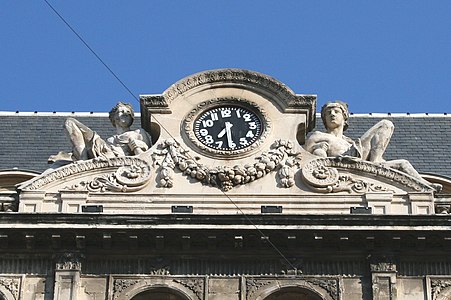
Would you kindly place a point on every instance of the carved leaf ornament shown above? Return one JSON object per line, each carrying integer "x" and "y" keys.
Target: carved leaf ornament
{"x": 122, "y": 284}
{"x": 12, "y": 285}
{"x": 437, "y": 286}
{"x": 193, "y": 284}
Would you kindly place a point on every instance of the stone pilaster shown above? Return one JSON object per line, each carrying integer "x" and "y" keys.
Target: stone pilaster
{"x": 383, "y": 276}
{"x": 67, "y": 277}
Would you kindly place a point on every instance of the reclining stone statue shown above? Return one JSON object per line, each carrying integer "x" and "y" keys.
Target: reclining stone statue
{"x": 370, "y": 146}
{"x": 87, "y": 144}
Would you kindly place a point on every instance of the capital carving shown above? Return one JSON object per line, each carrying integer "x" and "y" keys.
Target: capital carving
{"x": 160, "y": 267}
{"x": 69, "y": 262}
{"x": 383, "y": 267}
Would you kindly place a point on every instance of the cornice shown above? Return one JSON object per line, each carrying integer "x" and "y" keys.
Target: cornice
{"x": 173, "y": 221}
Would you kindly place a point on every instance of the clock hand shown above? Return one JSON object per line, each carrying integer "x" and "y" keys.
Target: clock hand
{"x": 223, "y": 131}
{"x": 229, "y": 135}
{"x": 221, "y": 134}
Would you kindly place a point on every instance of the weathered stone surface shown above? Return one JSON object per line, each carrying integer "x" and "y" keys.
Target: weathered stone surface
{"x": 180, "y": 220}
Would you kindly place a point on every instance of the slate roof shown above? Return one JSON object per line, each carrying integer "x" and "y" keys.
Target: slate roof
{"x": 28, "y": 139}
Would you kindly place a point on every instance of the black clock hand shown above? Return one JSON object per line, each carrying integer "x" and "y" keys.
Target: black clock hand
{"x": 221, "y": 134}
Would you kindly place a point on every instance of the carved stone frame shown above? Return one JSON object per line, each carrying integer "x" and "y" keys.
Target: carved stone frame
{"x": 136, "y": 285}
{"x": 260, "y": 288}
{"x": 188, "y": 126}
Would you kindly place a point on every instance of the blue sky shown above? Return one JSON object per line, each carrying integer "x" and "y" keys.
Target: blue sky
{"x": 379, "y": 56}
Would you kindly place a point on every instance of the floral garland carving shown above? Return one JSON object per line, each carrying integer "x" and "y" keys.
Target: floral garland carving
{"x": 253, "y": 285}
{"x": 188, "y": 125}
{"x": 12, "y": 285}
{"x": 330, "y": 285}
{"x": 280, "y": 157}
{"x": 437, "y": 286}
{"x": 125, "y": 175}
{"x": 193, "y": 284}
{"x": 120, "y": 285}
{"x": 322, "y": 176}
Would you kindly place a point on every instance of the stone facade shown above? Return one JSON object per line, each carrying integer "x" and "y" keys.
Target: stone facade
{"x": 225, "y": 204}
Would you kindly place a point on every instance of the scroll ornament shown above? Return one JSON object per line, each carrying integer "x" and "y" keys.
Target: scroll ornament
{"x": 127, "y": 178}
{"x": 322, "y": 175}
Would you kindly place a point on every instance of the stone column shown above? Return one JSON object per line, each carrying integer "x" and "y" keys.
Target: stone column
{"x": 67, "y": 277}
{"x": 383, "y": 276}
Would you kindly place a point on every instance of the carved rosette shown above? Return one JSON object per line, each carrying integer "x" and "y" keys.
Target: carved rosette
{"x": 188, "y": 125}
{"x": 253, "y": 285}
{"x": 322, "y": 176}
{"x": 330, "y": 285}
{"x": 437, "y": 286}
{"x": 195, "y": 285}
{"x": 171, "y": 156}
{"x": 12, "y": 285}
{"x": 120, "y": 285}
{"x": 132, "y": 173}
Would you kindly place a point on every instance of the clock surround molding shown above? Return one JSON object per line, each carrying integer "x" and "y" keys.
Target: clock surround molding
{"x": 191, "y": 139}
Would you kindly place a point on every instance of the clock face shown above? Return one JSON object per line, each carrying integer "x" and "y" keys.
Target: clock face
{"x": 228, "y": 128}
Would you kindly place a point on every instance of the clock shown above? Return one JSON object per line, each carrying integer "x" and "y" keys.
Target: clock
{"x": 228, "y": 127}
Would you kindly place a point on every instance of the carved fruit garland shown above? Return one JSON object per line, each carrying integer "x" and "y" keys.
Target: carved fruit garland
{"x": 280, "y": 157}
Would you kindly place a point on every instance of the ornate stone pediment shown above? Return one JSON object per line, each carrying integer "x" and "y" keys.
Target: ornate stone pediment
{"x": 223, "y": 136}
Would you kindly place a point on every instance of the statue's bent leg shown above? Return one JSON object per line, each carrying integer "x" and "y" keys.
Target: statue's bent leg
{"x": 406, "y": 167}
{"x": 79, "y": 136}
{"x": 375, "y": 141}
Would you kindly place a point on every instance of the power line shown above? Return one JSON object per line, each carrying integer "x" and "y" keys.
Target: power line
{"x": 159, "y": 123}
{"x": 90, "y": 49}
